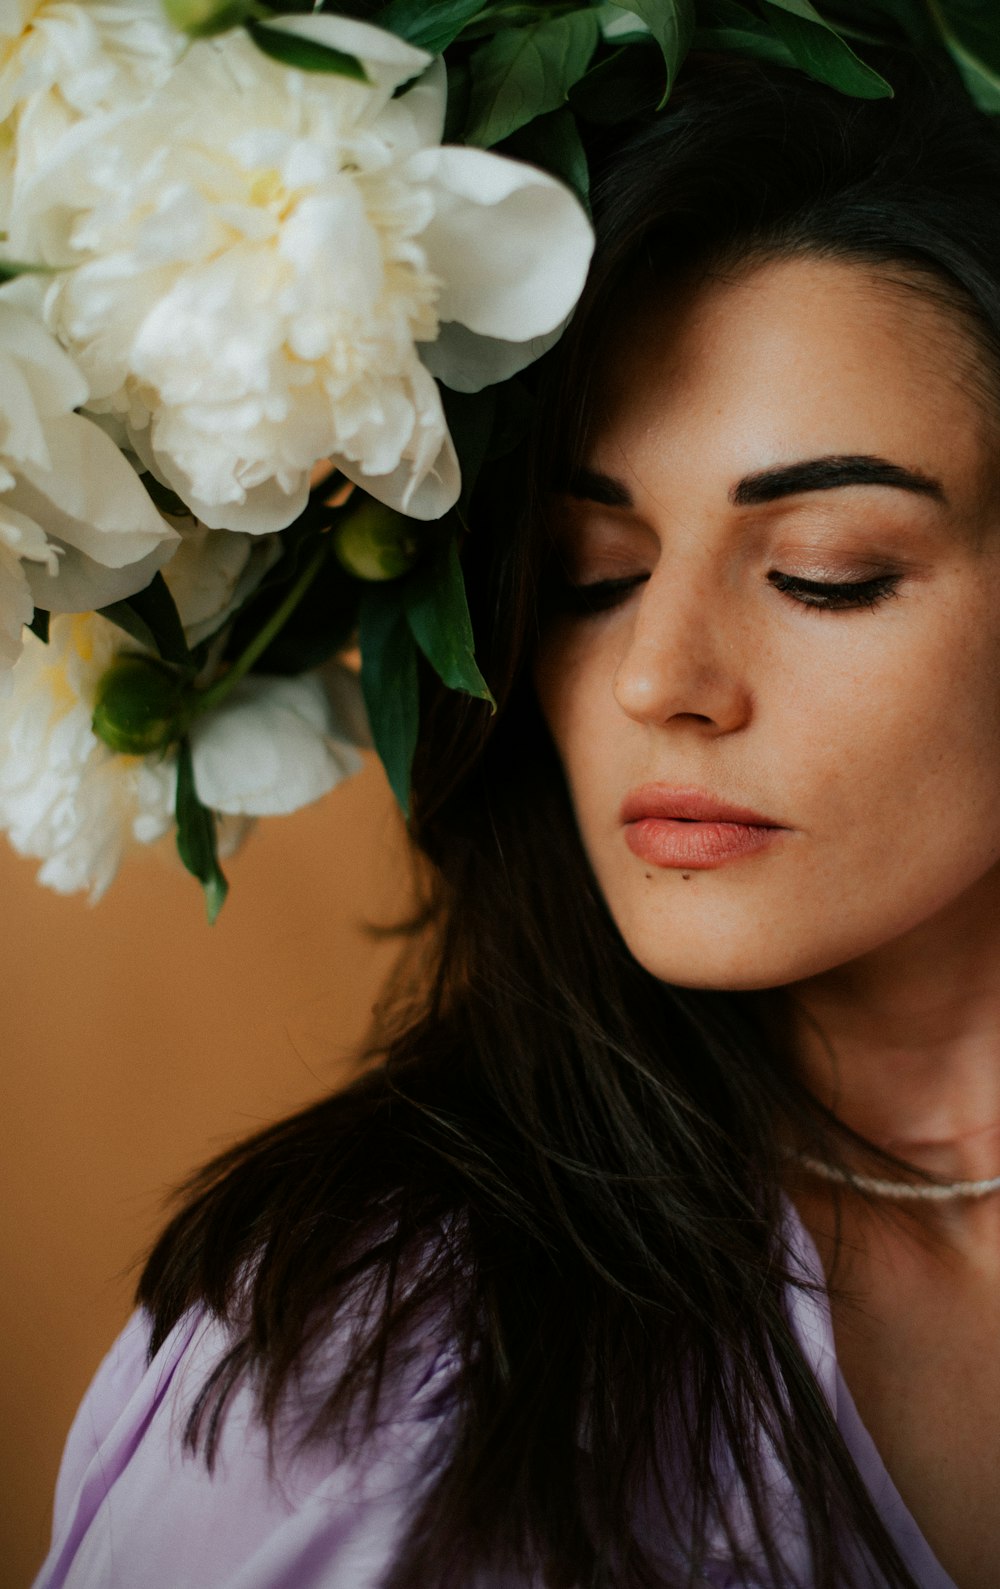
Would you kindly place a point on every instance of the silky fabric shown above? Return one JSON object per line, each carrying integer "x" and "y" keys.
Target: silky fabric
{"x": 134, "y": 1508}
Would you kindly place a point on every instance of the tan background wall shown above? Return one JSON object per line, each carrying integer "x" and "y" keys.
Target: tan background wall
{"x": 136, "y": 1042}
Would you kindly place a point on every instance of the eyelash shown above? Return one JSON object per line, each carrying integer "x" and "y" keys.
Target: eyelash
{"x": 831, "y": 596}
{"x": 827, "y": 595}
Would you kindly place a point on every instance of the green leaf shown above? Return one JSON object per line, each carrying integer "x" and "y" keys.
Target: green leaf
{"x": 726, "y": 26}
{"x": 429, "y": 24}
{"x": 982, "y": 85}
{"x": 39, "y": 625}
{"x": 151, "y": 617}
{"x": 620, "y": 25}
{"x": 438, "y": 615}
{"x": 756, "y": 45}
{"x": 522, "y": 73}
{"x": 306, "y": 55}
{"x": 202, "y": 18}
{"x": 819, "y": 50}
{"x": 671, "y": 22}
{"x": 390, "y": 685}
{"x": 972, "y": 25}
{"x": 554, "y": 143}
{"x": 973, "y": 40}
{"x": 196, "y": 842}
{"x": 10, "y": 269}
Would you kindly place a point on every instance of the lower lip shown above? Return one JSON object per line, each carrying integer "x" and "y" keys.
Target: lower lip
{"x": 696, "y": 846}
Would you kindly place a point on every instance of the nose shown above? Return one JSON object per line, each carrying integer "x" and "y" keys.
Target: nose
{"x": 683, "y": 658}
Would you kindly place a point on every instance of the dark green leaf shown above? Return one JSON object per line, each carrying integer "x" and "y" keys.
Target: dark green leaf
{"x": 390, "y": 685}
{"x": 971, "y": 32}
{"x": 525, "y": 72}
{"x": 974, "y": 25}
{"x": 724, "y": 25}
{"x": 196, "y": 843}
{"x": 151, "y": 617}
{"x": 757, "y": 45}
{"x": 429, "y": 24}
{"x": 554, "y": 143}
{"x": 671, "y": 23}
{"x": 438, "y": 615}
{"x": 982, "y": 84}
{"x": 39, "y": 624}
{"x": 819, "y": 50}
{"x": 306, "y": 55}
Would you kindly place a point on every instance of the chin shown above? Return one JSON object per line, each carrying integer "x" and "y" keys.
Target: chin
{"x": 750, "y": 961}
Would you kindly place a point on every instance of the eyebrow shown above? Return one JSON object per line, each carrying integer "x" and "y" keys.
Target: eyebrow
{"x": 786, "y": 480}
{"x": 827, "y": 474}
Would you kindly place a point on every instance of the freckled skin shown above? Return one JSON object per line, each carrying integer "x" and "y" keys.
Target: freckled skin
{"x": 872, "y": 734}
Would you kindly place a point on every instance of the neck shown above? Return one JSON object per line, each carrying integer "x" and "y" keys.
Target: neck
{"x": 904, "y": 1044}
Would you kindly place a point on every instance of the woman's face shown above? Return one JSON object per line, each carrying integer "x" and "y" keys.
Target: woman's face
{"x": 778, "y": 705}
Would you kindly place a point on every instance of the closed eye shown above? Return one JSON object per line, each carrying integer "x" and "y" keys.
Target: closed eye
{"x": 596, "y": 596}
{"x": 836, "y": 596}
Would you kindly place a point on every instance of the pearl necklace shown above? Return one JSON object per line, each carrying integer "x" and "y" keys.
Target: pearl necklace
{"x": 901, "y": 1191}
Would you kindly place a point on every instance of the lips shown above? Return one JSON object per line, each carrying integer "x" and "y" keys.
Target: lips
{"x": 690, "y": 829}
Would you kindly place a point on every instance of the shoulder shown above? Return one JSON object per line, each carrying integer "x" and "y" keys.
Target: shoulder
{"x": 134, "y": 1505}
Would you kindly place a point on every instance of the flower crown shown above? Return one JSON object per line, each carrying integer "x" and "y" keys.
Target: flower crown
{"x": 270, "y": 273}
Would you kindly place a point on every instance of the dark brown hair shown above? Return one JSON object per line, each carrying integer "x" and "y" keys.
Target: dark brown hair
{"x": 561, "y": 1167}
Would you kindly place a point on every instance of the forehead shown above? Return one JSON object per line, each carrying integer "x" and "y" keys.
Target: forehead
{"x": 718, "y": 376}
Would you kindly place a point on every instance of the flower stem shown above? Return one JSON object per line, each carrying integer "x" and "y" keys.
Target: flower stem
{"x": 205, "y": 700}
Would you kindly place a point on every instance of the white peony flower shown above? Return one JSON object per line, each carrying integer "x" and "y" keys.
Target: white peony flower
{"x": 65, "y": 798}
{"x": 60, "y": 59}
{"x": 70, "y": 802}
{"x": 77, "y": 529}
{"x": 262, "y": 255}
{"x": 276, "y": 744}
{"x": 212, "y": 573}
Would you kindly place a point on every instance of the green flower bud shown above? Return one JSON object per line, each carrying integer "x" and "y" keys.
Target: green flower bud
{"x": 375, "y": 543}
{"x": 137, "y": 706}
{"x": 201, "y": 18}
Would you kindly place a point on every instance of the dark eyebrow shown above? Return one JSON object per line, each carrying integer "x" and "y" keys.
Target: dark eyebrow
{"x": 827, "y": 474}
{"x": 589, "y": 486}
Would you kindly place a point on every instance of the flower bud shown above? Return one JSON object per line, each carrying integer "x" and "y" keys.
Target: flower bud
{"x": 137, "y": 706}
{"x": 375, "y": 543}
{"x": 201, "y": 18}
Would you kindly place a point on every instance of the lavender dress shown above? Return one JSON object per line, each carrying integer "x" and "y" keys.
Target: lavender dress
{"x": 133, "y": 1511}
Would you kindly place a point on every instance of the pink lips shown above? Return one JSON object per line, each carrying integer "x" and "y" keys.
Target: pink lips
{"x": 689, "y": 829}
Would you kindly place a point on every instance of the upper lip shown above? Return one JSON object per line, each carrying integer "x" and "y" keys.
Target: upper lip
{"x": 687, "y": 805}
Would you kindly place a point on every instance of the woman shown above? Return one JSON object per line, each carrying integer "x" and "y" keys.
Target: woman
{"x": 610, "y": 1271}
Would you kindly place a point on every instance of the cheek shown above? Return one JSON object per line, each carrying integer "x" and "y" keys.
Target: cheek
{"x": 574, "y": 677}
{"x": 886, "y": 761}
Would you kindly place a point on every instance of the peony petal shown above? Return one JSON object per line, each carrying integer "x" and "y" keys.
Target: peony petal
{"x": 416, "y": 118}
{"x": 91, "y": 497}
{"x": 270, "y": 748}
{"x": 15, "y": 611}
{"x": 387, "y": 59}
{"x": 467, "y": 362}
{"x": 347, "y": 702}
{"x": 83, "y": 585}
{"x": 428, "y": 495}
{"x": 511, "y": 244}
